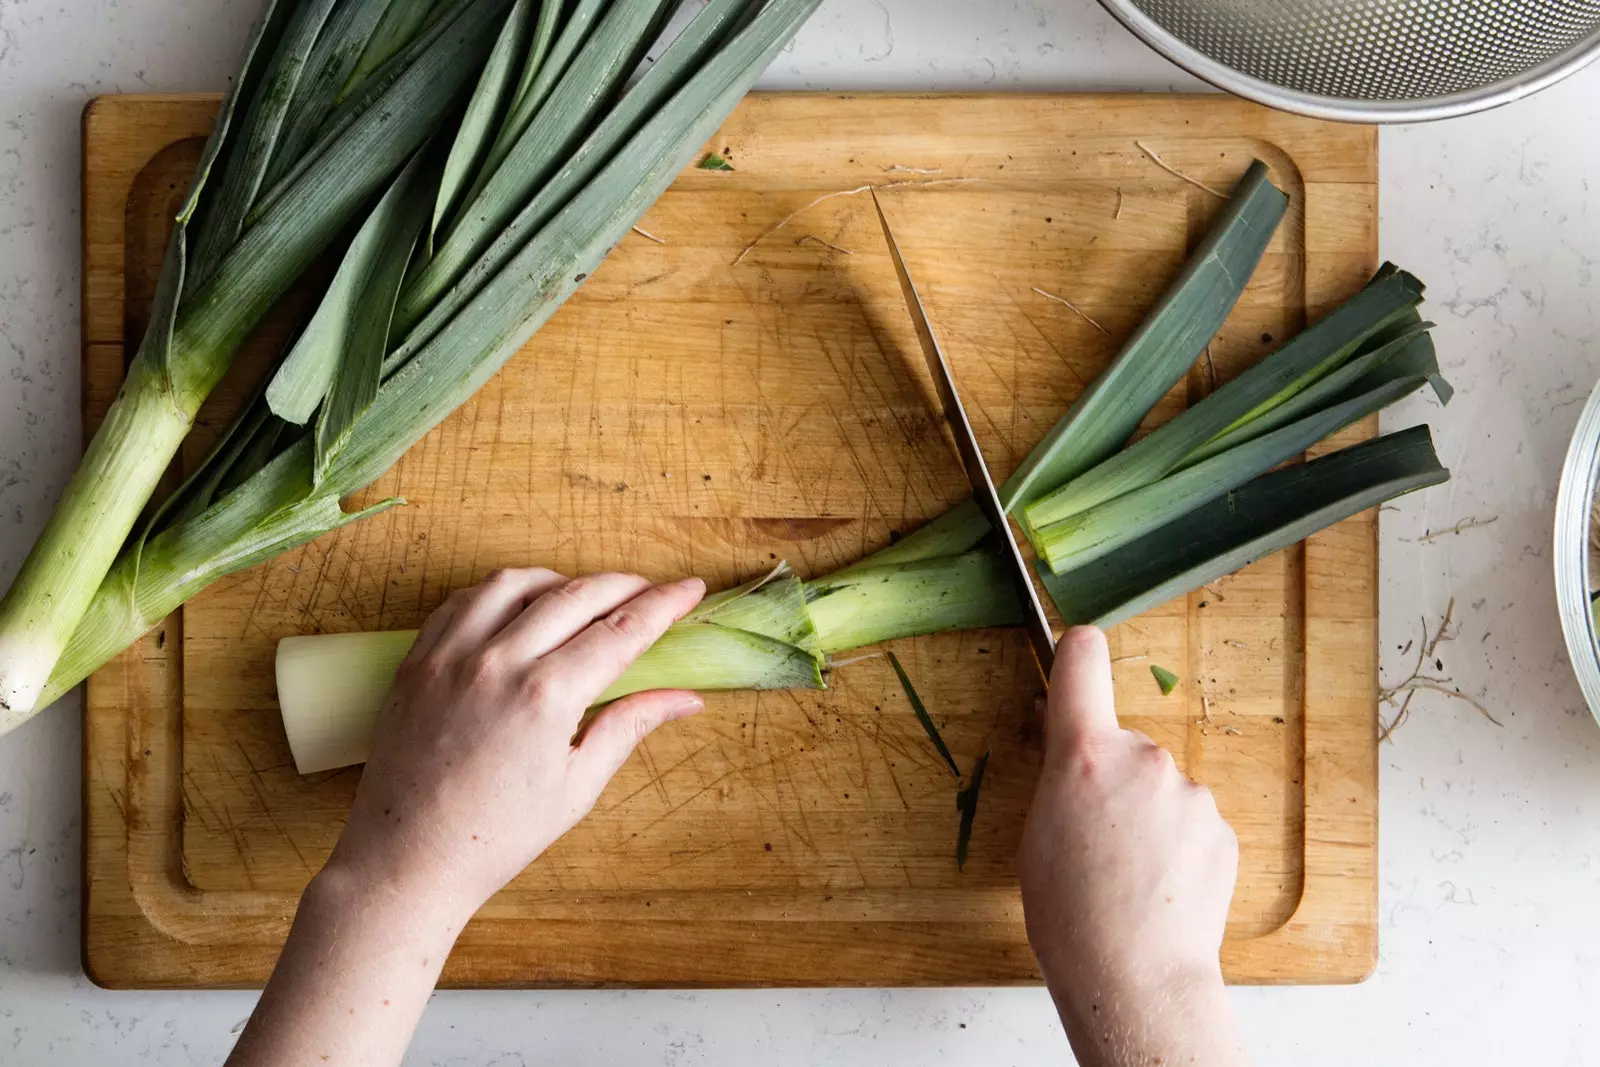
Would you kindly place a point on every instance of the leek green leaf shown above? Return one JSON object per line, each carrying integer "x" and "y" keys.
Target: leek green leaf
{"x": 547, "y": 63}
{"x": 1161, "y": 350}
{"x": 344, "y": 38}
{"x": 1165, "y": 679}
{"x": 1405, "y": 355}
{"x": 715, "y": 162}
{"x": 574, "y": 107}
{"x": 967, "y": 804}
{"x": 1310, "y": 356}
{"x": 433, "y": 296}
{"x": 1232, "y": 531}
{"x": 401, "y": 23}
{"x": 540, "y": 276}
{"x": 484, "y": 111}
{"x": 921, "y": 711}
{"x": 1103, "y": 529}
{"x": 247, "y": 163}
{"x": 353, "y": 316}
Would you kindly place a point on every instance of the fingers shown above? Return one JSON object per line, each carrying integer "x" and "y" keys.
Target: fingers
{"x": 485, "y": 610}
{"x": 590, "y": 662}
{"x": 554, "y": 620}
{"x": 1082, "y": 702}
{"x": 617, "y": 731}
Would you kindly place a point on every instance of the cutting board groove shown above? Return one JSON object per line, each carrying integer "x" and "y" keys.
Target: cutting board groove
{"x": 687, "y": 415}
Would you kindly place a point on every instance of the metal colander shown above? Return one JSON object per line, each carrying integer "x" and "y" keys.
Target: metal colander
{"x": 1372, "y": 60}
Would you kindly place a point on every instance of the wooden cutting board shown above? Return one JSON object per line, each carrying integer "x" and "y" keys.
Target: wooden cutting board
{"x": 689, "y": 415}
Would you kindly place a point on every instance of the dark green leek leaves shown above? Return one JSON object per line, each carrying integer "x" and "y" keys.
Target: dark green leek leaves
{"x": 486, "y": 109}
{"x": 1275, "y": 380}
{"x": 967, "y": 804}
{"x": 1162, "y": 349}
{"x": 1234, "y": 530}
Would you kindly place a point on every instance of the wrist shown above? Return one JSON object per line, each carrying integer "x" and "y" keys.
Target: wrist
{"x": 351, "y": 881}
{"x": 1173, "y": 1011}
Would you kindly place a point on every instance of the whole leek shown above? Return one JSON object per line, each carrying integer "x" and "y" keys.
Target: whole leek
{"x": 240, "y": 241}
{"x": 363, "y": 384}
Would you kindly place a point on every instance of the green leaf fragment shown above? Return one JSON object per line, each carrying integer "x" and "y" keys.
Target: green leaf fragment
{"x": 1165, "y": 679}
{"x": 922, "y": 714}
{"x": 967, "y": 804}
{"x": 715, "y": 162}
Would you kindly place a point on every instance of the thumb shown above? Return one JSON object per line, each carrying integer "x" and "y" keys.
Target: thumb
{"x": 617, "y": 731}
{"x": 1082, "y": 702}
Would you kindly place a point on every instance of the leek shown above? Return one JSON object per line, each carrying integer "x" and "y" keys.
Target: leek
{"x": 764, "y": 635}
{"x": 608, "y": 158}
{"x": 231, "y": 257}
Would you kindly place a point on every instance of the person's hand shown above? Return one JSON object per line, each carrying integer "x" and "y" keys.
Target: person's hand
{"x": 474, "y": 771}
{"x": 1127, "y": 871}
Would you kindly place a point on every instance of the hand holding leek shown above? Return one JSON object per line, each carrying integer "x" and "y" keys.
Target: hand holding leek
{"x": 476, "y": 774}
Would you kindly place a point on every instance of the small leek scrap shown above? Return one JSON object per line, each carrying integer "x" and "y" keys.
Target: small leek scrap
{"x": 334, "y": 98}
{"x": 1165, "y": 679}
{"x": 715, "y": 162}
{"x": 922, "y": 715}
{"x": 967, "y": 804}
{"x": 462, "y": 254}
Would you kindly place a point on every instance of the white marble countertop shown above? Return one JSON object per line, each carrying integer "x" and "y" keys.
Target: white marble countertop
{"x": 1491, "y": 834}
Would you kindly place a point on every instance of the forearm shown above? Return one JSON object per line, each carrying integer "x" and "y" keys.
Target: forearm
{"x": 1171, "y": 1019}
{"x": 361, "y": 961}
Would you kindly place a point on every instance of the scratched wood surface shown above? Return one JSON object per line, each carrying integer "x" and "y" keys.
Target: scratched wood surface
{"x": 687, "y": 415}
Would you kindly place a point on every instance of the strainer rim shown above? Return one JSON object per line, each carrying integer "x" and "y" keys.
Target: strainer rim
{"x": 1349, "y": 109}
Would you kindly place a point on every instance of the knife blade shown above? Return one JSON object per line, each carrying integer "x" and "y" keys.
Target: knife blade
{"x": 978, "y": 476}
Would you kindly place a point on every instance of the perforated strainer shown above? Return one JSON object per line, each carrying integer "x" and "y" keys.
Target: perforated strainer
{"x": 1372, "y": 60}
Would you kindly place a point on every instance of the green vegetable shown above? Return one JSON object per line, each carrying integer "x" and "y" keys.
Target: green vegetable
{"x": 923, "y": 717}
{"x": 967, "y": 804}
{"x": 715, "y": 162}
{"x": 1165, "y": 679}
{"x": 1161, "y": 350}
{"x": 239, "y": 243}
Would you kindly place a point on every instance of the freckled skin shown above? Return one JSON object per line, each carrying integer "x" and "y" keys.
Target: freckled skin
{"x": 1127, "y": 872}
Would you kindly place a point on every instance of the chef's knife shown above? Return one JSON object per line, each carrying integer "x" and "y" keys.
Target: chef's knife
{"x": 983, "y": 489}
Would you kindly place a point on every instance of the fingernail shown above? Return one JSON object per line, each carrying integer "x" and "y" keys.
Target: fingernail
{"x": 693, "y": 585}
{"x": 691, "y": 705}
